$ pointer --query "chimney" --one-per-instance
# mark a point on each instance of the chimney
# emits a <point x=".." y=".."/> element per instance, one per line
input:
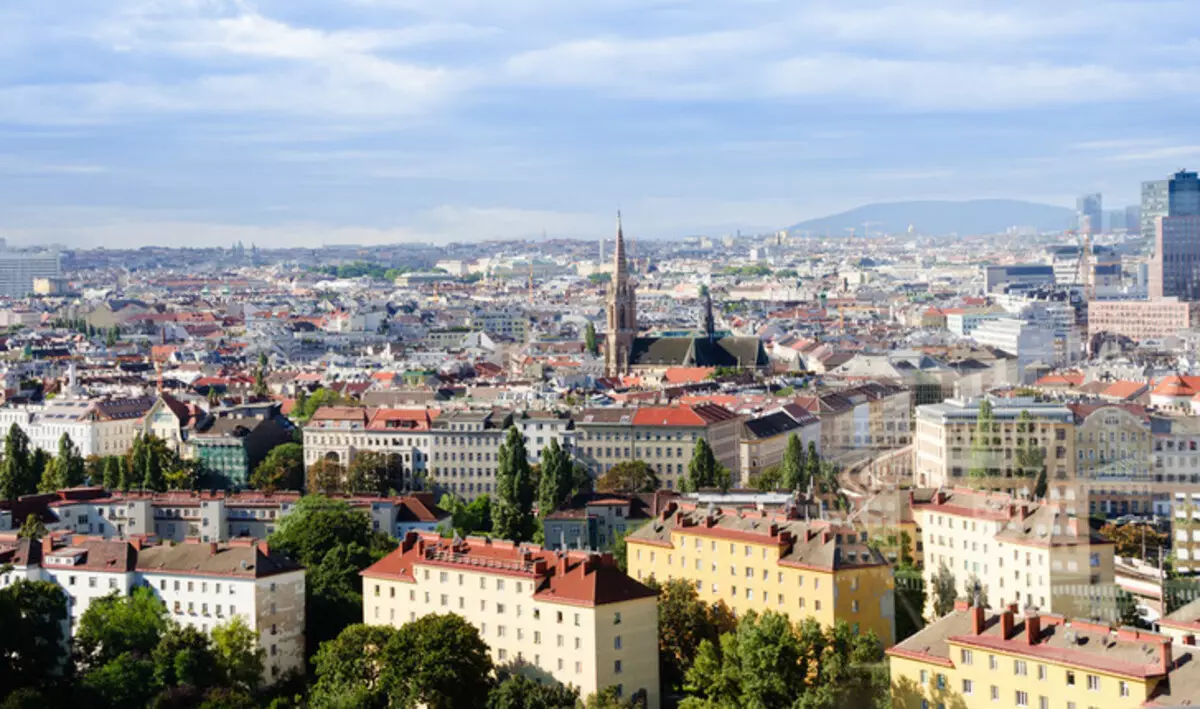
<point x="137" y="543"/>
<point x="1006" y="624"/>
<point x="1033" y="628"/>
<point x="47" y="545"/>
<point x="264" y="548"/>
<point x="212" y="548"/>
<point x="1165" y="658"/>
<point x="562" y="565"/>
<point x="977" y="620"/>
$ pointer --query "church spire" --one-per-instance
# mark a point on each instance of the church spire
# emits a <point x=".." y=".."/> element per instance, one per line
<point x="619" y="266"/>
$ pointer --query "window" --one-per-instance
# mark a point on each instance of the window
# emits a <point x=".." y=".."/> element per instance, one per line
<point x="995" y="693"/>
<point x="1041" y="672"/>
<point x="1043" y="702"/>
<point x="1022" y="698"/>
<point x="617" y="643"/>
<point x="1070" y="678"/>
<point x="1093" y="683"/>
<point x="616" y="667"/>
<point x="967" y="657"/>
<point x="941" y="681"/>
<point x="1124" y="688"/>
<point x="992" y="664"/>
<point x="924" y="677"/>
<point x="968" y="687"/>
<point x="1019" y="668"/>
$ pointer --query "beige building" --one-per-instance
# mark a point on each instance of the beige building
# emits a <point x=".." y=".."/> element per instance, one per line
<point x="945" y="432"/>
<point x="765" y="438"/>
<point x="1113" y="458"/>
<point x="662" y="436"/>
<point x="573" y="616"/>
<point x="1142" y="319"/>
<point x="1019" y="551"/>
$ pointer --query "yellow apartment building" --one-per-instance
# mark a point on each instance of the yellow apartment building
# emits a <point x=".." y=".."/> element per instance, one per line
<point x="762" y="561"/>
<point x="970" y="659"/>
<point x="571" y="616"/>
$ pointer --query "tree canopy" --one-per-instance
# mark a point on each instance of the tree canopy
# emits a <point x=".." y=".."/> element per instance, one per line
<point x="281" y="469"/>
<point x="628" y="476"/>
<point x="513" y="511"/>
<point x="704" y="471"/>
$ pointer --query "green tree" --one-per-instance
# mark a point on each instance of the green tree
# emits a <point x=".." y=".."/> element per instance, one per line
<point x="982" y="445"/>
<point x="114" y="625"/>
<point x="467" y="519"/>
<point x="149" y="460"/>
<point x="704" y="471"/>
<point x="792" y="466"/>
<point x="812" y="464"/>
<point x="759" y="665"/>
<point x="183" y="474"/>
<point x="945" y="591"/>
<point x="184" y="656"/>
<point x="352" y="669"/>
<point x="768" y="479"/>
<point x="32" y="527"/>
<point x="334" y="542"/>
<point x="556" y="481"/>
<point x="628" y="476"/>
<point x="684" y="621"/>
<point x="608" y="698"/>
<point x="1031" y="458"/>
<point x="260" y="384"/>
<point x="127" y="680"/>
<point x="112" y="473"/>
<point x="589" y="340"/>
<point x="17" y="476"/>
<point x="281" y="469"/>
<point x="68" y="469"/>
<point x="513" y="514"/>
<point x="439" y="661"/>
<point x="110" y="339"/>
<point x="519" y="692"/>
<point x="326" y="477"/>
<point x="238" y="656"/>
<point x="33" y="616"/>
<point x="372" y="472"/>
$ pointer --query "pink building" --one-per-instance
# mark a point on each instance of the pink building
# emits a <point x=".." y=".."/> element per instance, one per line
<point x="1142" y="319"/>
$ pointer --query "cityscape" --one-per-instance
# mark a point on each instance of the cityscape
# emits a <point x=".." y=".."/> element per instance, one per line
<point x="375" y="354"/>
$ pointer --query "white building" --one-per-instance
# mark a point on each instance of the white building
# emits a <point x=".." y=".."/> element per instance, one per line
<point x="201" y="585"/>
<point x="1029" y="342"/>
<point x="96" y="426"/>
<point x="18" y="269"/>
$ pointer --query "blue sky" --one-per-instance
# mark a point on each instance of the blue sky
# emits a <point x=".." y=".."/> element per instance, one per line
<point x="130" y="122"/>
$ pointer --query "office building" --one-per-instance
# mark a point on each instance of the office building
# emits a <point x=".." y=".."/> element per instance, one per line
<point x="757" y="560"/>
<point x="571" y="616"/>
<point x="19" y="269"/>
<point x="1175" y="265"/>
<point x="1030" y="342"/>
<point x="972" y="658"/>
<point x="1176" y="196"/>
<point x="1142" y="319"/>
<point x="1089" y="213"/>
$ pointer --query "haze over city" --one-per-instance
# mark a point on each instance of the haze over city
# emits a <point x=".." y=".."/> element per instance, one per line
<point x="303" y="122"/>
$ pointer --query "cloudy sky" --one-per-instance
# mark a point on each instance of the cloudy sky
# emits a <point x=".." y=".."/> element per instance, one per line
<point x="129" y="122"/>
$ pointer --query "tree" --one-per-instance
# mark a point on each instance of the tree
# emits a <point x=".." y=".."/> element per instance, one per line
<point x="114" y="625"/>
<point x="1031" y="458"/>
<point x="373" y="472"/>
<point x="519" y="692"/>
<point x="1140" y="541"/>
<point x="149" y="459"/>
<point x="334" y="542"/>
<point x="1042" y="485"/>
<point x="704" y="471"/>
<point x="556" y="481"/>
<point x="513" y="516"/>
<point x="352" y="669"/>
<point x="467" y="519"/>
<point x="439" y="661"/>
<point x="684" y="621"/>
<point x="33" y="615"/>
<point x="110" y="339"/>
<point x="768" y="479"/>
<point x="759" y="664"/>
<point x="608" y="698"/>
<point x="982" y="444"/>
<point x="112" y="473"/>
<point x="238" y="656"/>
<point x="792" y="468"/>
<point x="945" y="591"/>
<point x="17" y="476"/>
<point x="183" y="474"/>
<point x="629" y="476"/>
<point x="589" y="340"/>
<point x="326" y="477"/>
<point x="127" y="680"/>
<point x="184" y="656"/>
<point x="281" y="469"/>
<point x="32" y="527"/>
<point x="68" y="469"/>
<point x="812" y="464"/>
<point x="260" y="384"/>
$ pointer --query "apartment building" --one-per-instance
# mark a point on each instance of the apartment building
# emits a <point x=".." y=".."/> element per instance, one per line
<point x="765" y="438"/>
<point x="96" y="426"/>
<point x="466" y="451"/>
<point x="219" y="516"/>
<point x="864" y="418"/>
<point x="662" y="436"/>
<point x="972" y="659"/>
<point x="1185" y="532"/>
<point x="943" y="456"/>
<point x="201" y="585"/>
<point x="1113" y="460"/>
<point x="757" y="560"/>
<point x="541" y="427"/>
<point x="339" y="433"/>
<point x="1018" y="551"/>
<point x="596" y="520"/>
<point x="571" y="616"/>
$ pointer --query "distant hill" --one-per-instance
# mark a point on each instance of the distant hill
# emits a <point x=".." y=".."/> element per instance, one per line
<point x="979" y="216"/>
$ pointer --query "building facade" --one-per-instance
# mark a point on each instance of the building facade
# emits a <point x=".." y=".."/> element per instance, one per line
<point x="572" y="616"/>
<point x="1142" y="319"/>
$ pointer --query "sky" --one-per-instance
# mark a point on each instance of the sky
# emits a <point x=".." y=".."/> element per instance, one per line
<point x="304" y="122"/>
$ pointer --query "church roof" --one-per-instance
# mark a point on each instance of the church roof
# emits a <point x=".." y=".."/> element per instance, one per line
<point x="729" y="351"/>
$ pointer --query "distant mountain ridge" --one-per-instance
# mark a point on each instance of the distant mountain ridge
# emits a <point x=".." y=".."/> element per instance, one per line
<point x="939" y="218"/>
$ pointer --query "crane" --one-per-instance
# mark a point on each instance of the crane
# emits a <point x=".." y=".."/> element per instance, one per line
<point x="867" y="227"/>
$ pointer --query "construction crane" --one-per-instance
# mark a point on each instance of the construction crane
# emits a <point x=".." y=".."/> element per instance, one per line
<point x="867" y="227"/>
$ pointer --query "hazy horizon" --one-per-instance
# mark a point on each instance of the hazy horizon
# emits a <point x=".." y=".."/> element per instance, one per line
<point x="298" y="122"/>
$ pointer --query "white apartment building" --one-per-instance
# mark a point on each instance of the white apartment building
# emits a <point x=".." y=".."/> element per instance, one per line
<point x="1029" y="341"/>
<point x="541" y="427"/>
<point x="96" y="426"/>
<point x="18" y="269"/>
<point x="573" y="616"/>
<point x="510" y="324"/>
<point x="201" y="585"/>
<point x="1019" y="551"/>
<point x="339" y="433"/>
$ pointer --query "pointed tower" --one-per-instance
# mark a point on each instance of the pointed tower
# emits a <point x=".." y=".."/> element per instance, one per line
<point x="710" y="326"/>
<point x="622" y="312"/>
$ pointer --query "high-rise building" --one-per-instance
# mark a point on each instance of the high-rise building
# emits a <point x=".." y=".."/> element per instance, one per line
<point x="1175" y="265"/>
<point x="18" y="269"/>
<point x="1133" y="218"/>
<point x="1089" y="213"/>
<point x="1176" y="196"/>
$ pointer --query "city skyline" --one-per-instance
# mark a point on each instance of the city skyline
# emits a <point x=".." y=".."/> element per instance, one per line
<point x="390" y="121"/>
